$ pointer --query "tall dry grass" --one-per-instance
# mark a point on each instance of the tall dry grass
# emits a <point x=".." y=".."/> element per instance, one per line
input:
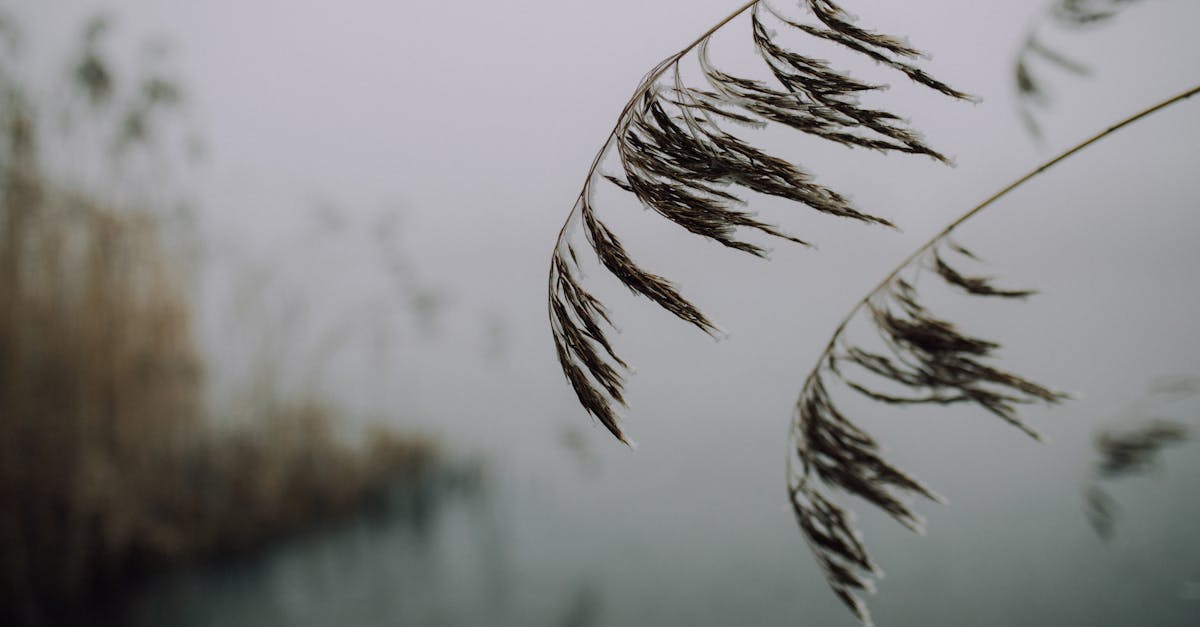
<point x="99" y="384"/>
<point x="109" y="469"/>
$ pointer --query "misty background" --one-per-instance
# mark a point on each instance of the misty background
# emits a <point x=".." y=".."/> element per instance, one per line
<point x="375" y="189"/>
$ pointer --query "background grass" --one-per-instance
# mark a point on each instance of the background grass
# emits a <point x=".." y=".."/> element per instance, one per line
<point x="110" y="466"/>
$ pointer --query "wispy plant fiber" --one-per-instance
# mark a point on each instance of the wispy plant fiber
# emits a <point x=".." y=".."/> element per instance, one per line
<point x="925" y="360"/>
<point x="932" y="362"/>
<point x="678" y="159"/>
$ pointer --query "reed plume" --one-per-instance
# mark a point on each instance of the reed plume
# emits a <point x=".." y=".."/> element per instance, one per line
<point x="931" y="362"/>
<point x="678" y="159"/>
<point x="925" y="360"/>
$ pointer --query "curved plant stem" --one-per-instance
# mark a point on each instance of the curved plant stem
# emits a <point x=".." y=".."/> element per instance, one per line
<point x="989" y="201"/>
<point x="837" y="454"/>
<point x="643" y="86"/>
<point x="679" y="163"/>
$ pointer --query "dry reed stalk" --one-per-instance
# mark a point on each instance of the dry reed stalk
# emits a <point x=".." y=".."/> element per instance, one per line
<point x="100" y="385"/>
<point x="679" y="161"/>
<point x="108" y="467"/>
<point x="929" y="357"/>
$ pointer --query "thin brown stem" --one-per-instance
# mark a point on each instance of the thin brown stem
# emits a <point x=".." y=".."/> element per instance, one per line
<point x="641" y="90"/>
<point x="1032" y="174"/>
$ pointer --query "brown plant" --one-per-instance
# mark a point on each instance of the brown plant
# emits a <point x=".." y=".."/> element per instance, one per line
<point x="678" y="162"/>
<point x="109" y="465"/>
<point x="678" y="159"/>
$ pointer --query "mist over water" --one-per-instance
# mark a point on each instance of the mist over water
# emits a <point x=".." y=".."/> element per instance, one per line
<point x="396" y="174"/>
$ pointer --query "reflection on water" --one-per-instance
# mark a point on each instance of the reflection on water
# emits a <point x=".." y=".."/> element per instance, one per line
<point x="473" y="548"/>
<point x="433" y="554"/>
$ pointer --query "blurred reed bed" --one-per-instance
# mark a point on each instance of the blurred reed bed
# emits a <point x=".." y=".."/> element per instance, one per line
<point x="109" y="467"/>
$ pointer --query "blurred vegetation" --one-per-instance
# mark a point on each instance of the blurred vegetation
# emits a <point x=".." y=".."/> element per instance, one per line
<point x="110" y="468"/>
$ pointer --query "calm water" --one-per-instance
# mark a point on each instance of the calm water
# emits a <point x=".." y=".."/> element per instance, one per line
<point x="505" y="552"/>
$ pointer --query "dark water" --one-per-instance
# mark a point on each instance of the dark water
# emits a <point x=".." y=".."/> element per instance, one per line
<point x="496" y="551"/>
<point x="435" y="554"/>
